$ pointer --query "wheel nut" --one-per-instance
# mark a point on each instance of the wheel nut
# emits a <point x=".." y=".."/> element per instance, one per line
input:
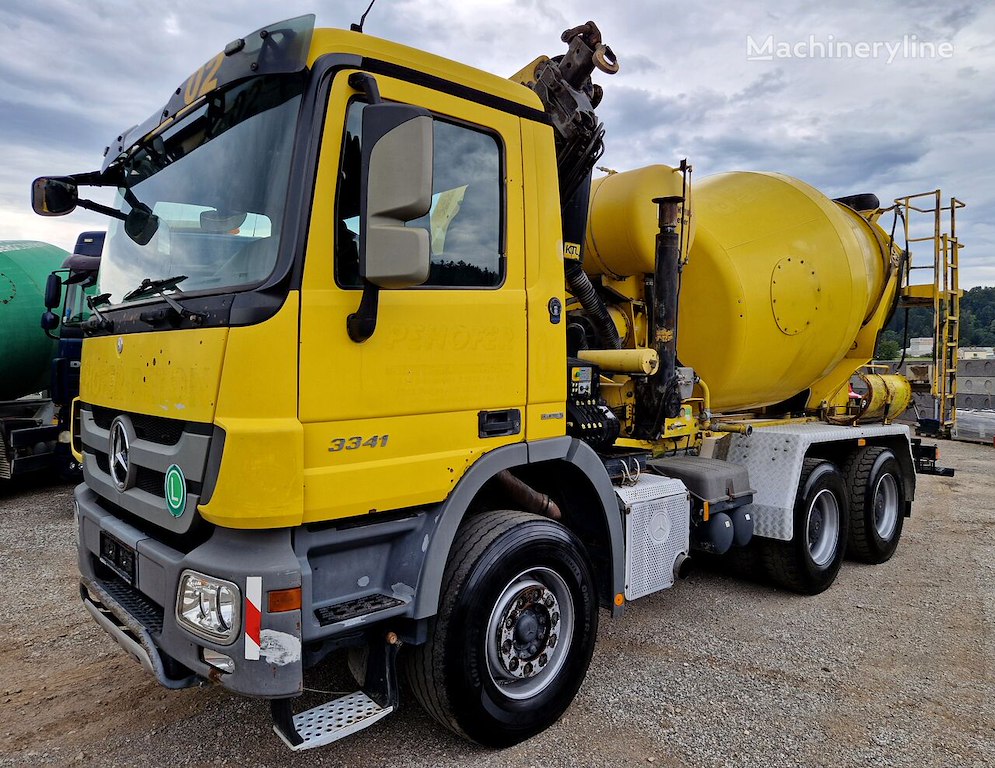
<point x="542" y="660"/>
<point x="506" y="647"/>
<point x="549" y="601"/>
<point x="555" y="618"/>
<point x="528" y="669"/>
<point x="552" y="641"/>
<point x="513" y="664"/>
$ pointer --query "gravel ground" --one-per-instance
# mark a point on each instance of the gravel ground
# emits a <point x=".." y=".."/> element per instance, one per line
<point x="893" y="666"/>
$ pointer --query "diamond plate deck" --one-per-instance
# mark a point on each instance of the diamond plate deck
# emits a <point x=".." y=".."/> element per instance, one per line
<point x="774" y="455"/>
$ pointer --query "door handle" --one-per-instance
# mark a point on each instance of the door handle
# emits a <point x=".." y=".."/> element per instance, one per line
<point x="499" y="423"/>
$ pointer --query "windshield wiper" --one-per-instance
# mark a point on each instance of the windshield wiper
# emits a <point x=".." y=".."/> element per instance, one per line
<point x="99" y="321"/>
<point x="153" y="287"/>
<point x="159" y="288"/>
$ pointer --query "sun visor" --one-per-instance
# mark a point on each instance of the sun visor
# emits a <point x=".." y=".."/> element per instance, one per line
<point x="280" y="48"/>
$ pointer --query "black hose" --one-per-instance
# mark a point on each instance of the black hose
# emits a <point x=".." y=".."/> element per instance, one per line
<point x="575" y="212"/>
<point x="905" y="341"/>
<point x="597" y="311"/>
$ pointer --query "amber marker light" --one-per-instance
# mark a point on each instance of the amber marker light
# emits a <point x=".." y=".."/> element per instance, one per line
<point x="283" y="600"/>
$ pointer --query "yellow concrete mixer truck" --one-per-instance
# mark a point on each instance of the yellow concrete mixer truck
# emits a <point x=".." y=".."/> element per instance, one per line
<point x="377" y="373"/>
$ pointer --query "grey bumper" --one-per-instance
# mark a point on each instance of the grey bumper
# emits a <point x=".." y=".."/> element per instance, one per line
<point x="141" y="617"/>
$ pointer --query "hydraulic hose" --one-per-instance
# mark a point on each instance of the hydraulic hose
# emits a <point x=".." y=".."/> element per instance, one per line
<point x="597" y="311"/>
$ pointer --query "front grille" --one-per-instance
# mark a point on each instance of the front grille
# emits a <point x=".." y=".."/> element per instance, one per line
<point x="148" y="480"/>
<point x="151" y="481"/>
<point x="155" y="429"/>
<point x="158" y="443"/>
<point x="145" y="611"/>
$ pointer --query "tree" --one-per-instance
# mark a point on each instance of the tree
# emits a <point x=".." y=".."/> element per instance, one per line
<point x="977" y="319"/>
<point x="888" y="349"/>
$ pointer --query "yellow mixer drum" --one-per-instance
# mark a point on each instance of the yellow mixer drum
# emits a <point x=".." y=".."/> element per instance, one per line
<point x="779" y="280"/>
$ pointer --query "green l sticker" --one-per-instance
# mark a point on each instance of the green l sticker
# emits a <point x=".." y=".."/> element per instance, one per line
<point x="175" y="487"/>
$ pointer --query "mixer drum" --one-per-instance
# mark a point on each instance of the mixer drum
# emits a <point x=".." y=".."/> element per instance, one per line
<point x="779" y="280"/>
<point x="25" y="351"/>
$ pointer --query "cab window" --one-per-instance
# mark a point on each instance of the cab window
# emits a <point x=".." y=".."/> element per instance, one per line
<point x="465" y="221"/>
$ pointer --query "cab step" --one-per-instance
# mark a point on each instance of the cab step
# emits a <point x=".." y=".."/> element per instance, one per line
<point x="331" y="721"/>
<point x="347" y="714"/>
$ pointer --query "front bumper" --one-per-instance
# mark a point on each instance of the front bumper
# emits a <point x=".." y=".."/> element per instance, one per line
<point x="141" y="617"/>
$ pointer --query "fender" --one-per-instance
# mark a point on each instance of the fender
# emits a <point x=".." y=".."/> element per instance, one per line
<point x="450" y="513"/>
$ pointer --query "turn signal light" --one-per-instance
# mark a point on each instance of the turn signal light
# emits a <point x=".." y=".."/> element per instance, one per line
<point x="282" y="600"/>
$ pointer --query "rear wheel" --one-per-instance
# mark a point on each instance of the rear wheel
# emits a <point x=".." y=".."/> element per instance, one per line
<point x="515" y="630"/>
<point x="809" y="563"/>
<point x="877" y="504"/>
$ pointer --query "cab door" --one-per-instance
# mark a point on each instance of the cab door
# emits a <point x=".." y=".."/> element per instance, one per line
<point x="396" y="420"/>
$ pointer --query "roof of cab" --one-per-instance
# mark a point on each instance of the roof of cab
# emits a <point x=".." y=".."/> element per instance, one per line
<point x="325" y="41"/>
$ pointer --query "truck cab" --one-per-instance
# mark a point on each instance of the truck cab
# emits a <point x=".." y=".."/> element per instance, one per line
<point x="226" y="408"/>
<point x="79" y="276"/>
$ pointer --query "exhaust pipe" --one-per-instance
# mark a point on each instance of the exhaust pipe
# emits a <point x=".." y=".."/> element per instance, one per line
<point x="682" y="566"/>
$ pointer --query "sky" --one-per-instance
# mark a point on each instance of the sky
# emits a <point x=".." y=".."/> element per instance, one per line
<point x="894" y="97"/>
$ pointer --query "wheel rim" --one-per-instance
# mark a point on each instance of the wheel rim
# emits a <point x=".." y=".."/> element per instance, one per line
<point x="529" y="633"/>
<point x="822" y="529"/>
<point x="886" y="506"/>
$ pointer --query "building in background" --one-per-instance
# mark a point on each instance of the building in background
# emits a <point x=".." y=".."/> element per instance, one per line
<point x="976" y="353"/>
<point x="920" y="347"/>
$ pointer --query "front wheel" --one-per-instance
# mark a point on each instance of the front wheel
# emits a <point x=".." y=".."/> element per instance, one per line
<point x="809" y="563"/>
<point x="877" y="504"/>
<point x="515" y="630"/>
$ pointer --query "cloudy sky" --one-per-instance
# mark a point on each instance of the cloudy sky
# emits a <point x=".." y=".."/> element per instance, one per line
<point x="912" y="110"/>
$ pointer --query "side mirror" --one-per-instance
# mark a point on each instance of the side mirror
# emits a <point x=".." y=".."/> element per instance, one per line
<point x="49" y="321"/>
<point x="53" y="291"/>
<point x="396" y="188"/>
<point x="141" y="224"/>
<point x="54" y="196"/>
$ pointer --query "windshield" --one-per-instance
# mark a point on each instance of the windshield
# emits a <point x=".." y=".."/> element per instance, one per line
<point x="216" y="184"/>
<point x="76" y="310"/>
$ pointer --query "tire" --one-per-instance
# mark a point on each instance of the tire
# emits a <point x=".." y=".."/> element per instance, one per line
<point x="495" y="670"/>
<point x="877" y="504"/>
<point x="744" y="562"/>
<point x="809" y="563"/>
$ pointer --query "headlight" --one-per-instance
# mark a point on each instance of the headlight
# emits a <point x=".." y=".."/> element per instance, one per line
<point x="208" y="607"/>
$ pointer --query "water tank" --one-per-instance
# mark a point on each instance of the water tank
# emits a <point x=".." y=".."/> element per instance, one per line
<point x="25" y="351"/>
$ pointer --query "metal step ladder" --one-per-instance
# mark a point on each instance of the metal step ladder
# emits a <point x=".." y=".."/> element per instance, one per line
<point x="942" y="295"/>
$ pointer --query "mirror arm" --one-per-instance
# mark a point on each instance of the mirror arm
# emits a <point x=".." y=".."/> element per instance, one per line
<point x="363" y="322"/>
<point x="367" y="84"/>
<point x="104" y="209"/>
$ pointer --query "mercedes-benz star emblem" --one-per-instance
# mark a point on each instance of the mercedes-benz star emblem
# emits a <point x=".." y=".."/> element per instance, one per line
<point x="120" y="463"/>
